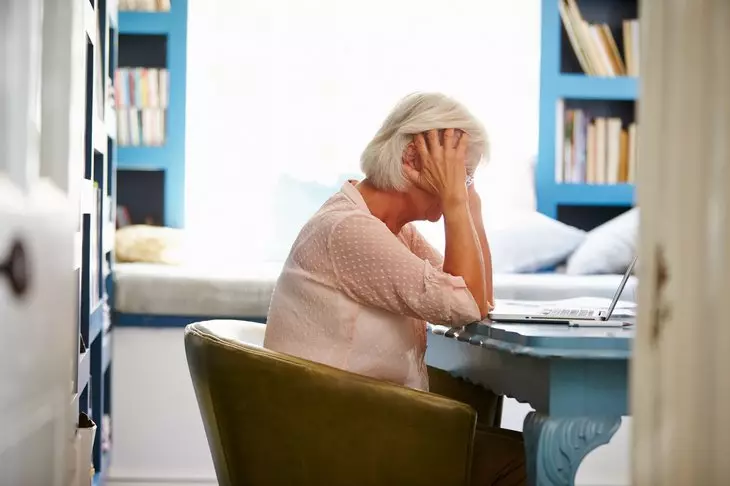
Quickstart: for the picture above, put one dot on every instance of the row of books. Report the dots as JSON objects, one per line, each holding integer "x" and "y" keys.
{"x": 145, "y": 5}
{"x": 595, "y": 150}
{"x": 141, "y": 87}
{"x": 595, "y": 46}
{"x": 137, "y": 127}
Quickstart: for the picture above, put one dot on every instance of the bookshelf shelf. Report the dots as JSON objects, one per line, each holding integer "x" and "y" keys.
{"x": 142, "y": 157}
{"x": 90, "y": 20}
{"x": 587, "y": 123}
{"x": 83, "y": 371}
{"x": 591, "y": 194}
{"x": 109, "y": 232}
{"x": 146, "y": 22}
{"x": 100, "y": 136}
{"x": 106, "y": 352}
{"x": 96, "y": 323}
{"x": 111, "y": 123}
{"x": 580, "y": 86}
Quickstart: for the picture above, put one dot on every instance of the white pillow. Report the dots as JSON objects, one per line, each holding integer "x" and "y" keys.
{"x": 609, "y": 248}
{"x": 528, "y": 241}
{"x": 520, "y": 241}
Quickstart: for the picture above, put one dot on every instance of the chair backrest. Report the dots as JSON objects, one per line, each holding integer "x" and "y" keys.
{"x": 271, "y": 418}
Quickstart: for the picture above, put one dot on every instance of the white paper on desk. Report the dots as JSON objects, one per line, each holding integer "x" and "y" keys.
{"x": 623, "y": 308}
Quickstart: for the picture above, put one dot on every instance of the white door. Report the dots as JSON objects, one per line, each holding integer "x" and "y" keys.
{"x": 680, "y": 382}
{"x": 38, "y": 330}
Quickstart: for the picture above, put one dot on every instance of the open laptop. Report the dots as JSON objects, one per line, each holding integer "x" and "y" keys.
{"x": 554, "y": 315}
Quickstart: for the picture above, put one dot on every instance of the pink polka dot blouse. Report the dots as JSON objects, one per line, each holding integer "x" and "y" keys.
{"x": 357, "y": 297}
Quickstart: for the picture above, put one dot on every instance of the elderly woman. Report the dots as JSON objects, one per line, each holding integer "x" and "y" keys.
{"x": 360, "y": 282}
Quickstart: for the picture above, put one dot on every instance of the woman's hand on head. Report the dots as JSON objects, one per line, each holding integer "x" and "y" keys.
{"x": 442, "y": 168}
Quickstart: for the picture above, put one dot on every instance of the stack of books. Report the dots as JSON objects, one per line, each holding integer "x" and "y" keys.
{"x": 595, "y": 150}
{"x": 595, "y": 46}
{"x": 142, "y": 97}
{"x": 145, "y": 5}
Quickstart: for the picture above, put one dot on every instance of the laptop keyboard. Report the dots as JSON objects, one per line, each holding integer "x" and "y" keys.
{"x": 570, "y": 313}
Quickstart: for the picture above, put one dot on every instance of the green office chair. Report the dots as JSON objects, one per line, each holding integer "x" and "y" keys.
{"x": 273, "y": 419}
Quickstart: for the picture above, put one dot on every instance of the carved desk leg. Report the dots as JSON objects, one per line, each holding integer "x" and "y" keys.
{"x": 555, "y": 447}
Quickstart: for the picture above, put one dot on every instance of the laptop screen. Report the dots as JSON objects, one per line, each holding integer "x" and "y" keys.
{"x": 621, "y": 286}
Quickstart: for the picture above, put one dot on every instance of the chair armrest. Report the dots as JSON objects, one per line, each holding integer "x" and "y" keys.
{"x": 313, "y": 424}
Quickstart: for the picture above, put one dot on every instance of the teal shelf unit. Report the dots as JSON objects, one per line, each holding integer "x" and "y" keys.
{"x": 579, "y": 86}
{"x": 95, "y": 239}
{"x": 169, "y": 157}
{"x": 562, "y": 80}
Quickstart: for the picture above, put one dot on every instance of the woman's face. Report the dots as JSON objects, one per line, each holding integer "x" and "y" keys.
{"x": 425, "y": 205}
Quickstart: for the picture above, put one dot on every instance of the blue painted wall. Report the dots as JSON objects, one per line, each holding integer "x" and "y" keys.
{"x": 171, "y": 156}
{"x": 554, "y": 86}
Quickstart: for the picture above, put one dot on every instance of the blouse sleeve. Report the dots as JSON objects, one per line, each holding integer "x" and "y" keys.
{"x": 376, "y": 269}
{"x": 420, "y": 246}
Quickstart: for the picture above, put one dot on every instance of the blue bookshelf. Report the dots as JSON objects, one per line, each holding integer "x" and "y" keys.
{"x": 148, "y": 158}
{"x": 149, "y": 22}
{"x": 589, "y": 194}
{"x": 564, "y": 85}
{"x": 169, "y": 157}
{"x": 97, "y": 225}
{"x": 579, "y": 86}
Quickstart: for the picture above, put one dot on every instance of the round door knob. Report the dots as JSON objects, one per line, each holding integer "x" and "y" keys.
{"x": 15, "y": 269}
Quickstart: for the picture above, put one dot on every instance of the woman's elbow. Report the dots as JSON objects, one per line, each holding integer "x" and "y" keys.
{"x": 466, "y": 315}
{"x": 479, "y": 295}
{"x": 484, "y": 309}
{"x": 459, "y": 309}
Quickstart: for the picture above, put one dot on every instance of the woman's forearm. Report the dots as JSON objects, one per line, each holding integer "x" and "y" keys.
{"x": 476, "y": 214}
{"x": 464, "y": 254}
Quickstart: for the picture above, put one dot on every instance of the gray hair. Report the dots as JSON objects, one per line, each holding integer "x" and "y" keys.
{"x": 382, "y": 159}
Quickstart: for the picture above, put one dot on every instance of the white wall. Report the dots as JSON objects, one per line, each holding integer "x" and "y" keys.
{"x": 157, "y": 430}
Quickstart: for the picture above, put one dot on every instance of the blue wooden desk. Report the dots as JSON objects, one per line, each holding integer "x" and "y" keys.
{"x": 575, "y": 378}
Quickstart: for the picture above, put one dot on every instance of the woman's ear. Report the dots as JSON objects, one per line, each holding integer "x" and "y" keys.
{"x": 411, "y": 162}
{"x": 410, "y": 156}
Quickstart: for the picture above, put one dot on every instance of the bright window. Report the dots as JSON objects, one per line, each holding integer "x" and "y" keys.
{"x": 283, "y": 95}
